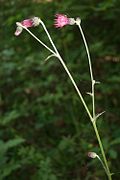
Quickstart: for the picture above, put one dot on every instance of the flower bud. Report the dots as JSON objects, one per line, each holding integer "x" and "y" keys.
{"x": 27, "y": 23}
{"x": 92, "y": 155}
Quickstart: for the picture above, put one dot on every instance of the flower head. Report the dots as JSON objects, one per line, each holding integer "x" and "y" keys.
{"x": 62, "y": 20}
{"x": 27, "y": 23}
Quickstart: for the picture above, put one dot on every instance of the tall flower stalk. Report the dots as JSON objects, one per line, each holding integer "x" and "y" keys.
{"x": 94, "y": 117}
{"x": 61, "y": 21}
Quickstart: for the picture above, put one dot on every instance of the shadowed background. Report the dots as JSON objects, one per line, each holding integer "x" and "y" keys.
{"x": 45, "y": 133}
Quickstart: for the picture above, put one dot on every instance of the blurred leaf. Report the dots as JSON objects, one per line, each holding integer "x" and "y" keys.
{"x": 113, "y": 154}
{"x": 9, "y": 117}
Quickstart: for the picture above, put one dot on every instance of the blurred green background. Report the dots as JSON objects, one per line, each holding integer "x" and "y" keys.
{"x": 45, "y": 133}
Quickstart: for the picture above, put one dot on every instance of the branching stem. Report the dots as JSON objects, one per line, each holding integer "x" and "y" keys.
{"x": 93, "y": 116}
{"x": 67, "y": 71}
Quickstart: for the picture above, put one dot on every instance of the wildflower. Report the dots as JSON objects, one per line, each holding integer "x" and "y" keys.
{"x": 27, "y": 23}
{"x": 92, "y": 155}
{"x": 62, "y": 20}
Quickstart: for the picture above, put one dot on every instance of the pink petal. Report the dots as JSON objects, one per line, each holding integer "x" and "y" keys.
{"x": 61, "y": 20}
{"x": 27, "y": 23}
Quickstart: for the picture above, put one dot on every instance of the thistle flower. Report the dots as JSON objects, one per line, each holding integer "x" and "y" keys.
{"x": 62, "y": 20}
{"x": 32, "y": 22}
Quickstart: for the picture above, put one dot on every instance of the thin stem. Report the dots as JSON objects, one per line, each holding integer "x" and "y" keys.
{"x": 102, "y": 150}
{"x": 102, "y": 164}
{"x": 93, "y": 104}
{"x": 51, "y": 41}
{"x": 74, "y": 84}
{"x": 37, "y": 39}
{"x": 87, "y": 50}
{"x": 67, "y": 71}
{"x": 90, "y": 66}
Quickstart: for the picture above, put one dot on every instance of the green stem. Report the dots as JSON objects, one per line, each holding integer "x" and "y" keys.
{"x": 67, "y": 71}
{"x": 102, "y": 164}
{"x": 93, "y": 103}
{"x": 90, "y": 66}
{"x": 102, "y": 150}
{"x": 35, "y": 37}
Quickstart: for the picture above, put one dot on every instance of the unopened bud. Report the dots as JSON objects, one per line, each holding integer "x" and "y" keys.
{"x": 92, "y": 155}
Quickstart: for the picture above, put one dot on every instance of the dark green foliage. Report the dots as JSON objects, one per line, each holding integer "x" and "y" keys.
{"x": 45, "y": 133}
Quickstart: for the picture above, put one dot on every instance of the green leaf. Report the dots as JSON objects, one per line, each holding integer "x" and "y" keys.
{"x": 4, "y": 146}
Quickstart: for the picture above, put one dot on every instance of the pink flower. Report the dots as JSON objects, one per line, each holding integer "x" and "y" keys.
{"x": 35, "y": 21}
{"x": 27, "y": 23}
{"x": 62, "y": 20}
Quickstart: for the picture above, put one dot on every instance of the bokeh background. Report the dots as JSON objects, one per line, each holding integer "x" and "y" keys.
{"x": 45, "y": 133}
